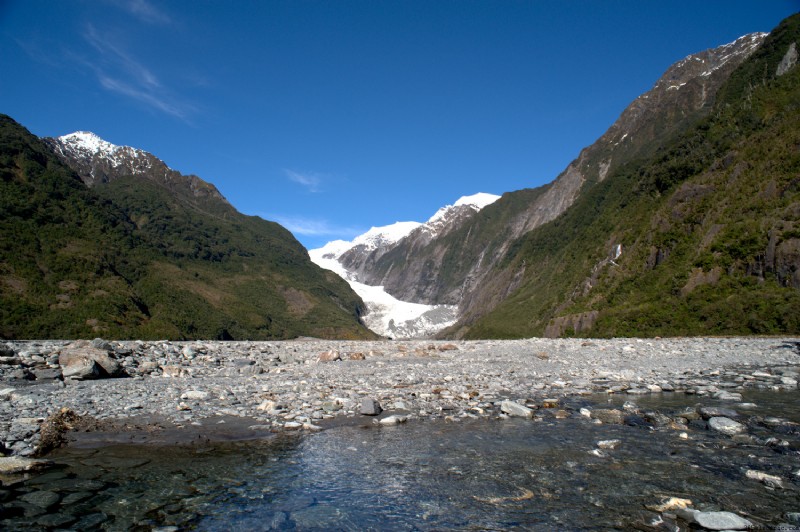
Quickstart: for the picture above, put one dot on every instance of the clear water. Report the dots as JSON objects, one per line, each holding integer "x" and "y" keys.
{"x": 471, "y": 475}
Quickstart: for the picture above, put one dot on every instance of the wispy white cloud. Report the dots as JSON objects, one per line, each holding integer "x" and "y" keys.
{"x": 305, "y": 226}
{"x": 147, "y": 97}
{"x": 145, "y": 11}
{"x": 119, "y": 71}
{"x": 120, "y": 59}
{"x": 309, "y": 180}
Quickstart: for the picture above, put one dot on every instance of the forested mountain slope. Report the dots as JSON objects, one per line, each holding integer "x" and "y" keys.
{"x": 456, "y": 265}
{"x": 700, "y": 237}
{"x": 133, "y": 257}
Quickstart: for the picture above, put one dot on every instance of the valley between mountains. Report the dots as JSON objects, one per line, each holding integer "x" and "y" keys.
{"x": 682, "y": 219}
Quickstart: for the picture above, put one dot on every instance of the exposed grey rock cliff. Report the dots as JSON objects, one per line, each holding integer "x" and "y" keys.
{"x": 458, "y": 265}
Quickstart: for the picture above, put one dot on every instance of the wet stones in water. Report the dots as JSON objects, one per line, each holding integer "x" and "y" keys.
{"x": 42, "y": 499}
{"x": 515, "y": 409}
{"x": 319, "y": 516}
{"x": 707, "y": 412}
{"x": 770, "y": 481}
{"x": 714, "y": 520}
{"x": 393, "y": 420}
{"x": 728, "y": 396}
{"x": 52, "y": 521}
{"x": 658, "y": 419}
{"x": 370, "y": 407}
{"x": 609, "y": 415}
{"x": 725, "y": 426}
{"x": 91, "y": 521}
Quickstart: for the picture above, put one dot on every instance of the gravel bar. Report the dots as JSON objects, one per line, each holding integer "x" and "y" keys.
{"x": 205, "y": 388}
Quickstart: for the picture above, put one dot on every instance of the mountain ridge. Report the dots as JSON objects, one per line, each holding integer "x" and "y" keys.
{"x": 706, "y": 223}
{"x": 453, "y": 267}
{"x": 118, "y": 244}
{"x": 98, "y": 161}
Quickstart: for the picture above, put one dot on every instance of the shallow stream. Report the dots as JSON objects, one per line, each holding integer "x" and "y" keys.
{"x": 507, "y": 474}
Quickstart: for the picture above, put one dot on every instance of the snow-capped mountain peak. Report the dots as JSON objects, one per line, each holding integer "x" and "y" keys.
{"x": 88, "y": 142}
{"x": 475, "y": 202}
{"x": 99, "y": 161}
{"x": 385, "y": 235}
{"x": 479, "y": 200}
{"x": 92, "y": 150}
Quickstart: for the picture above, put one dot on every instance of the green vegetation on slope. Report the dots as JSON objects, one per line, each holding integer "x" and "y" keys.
{"x": 709, "y": 228}
{"x": 130, "y": 259}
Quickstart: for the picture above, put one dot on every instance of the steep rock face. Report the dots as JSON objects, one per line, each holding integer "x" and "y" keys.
{"x": 98, "y": 161}
{"x": 696, "y": 233}
{"x": 449, "y": 266}
{"x": 683, "y": 94}
{"x": 396, "y": 265}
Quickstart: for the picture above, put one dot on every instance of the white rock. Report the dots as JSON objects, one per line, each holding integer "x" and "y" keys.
{"x": 770, "y": 480}
{"x": 715, "y": 520}
{"x": 726, "y": 425}
{"x": 195, "y": 395}
{"x": 266, "y": 406}
{"x": 393, "y": 420}
{"x": 16, "y": 464}
{"x": 515, "y": 409}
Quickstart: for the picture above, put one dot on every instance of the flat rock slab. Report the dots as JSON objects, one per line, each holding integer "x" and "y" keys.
{"x": 10, "y": 465}
{"x": 715, "y": 520}
{"x": 515, "y": 409}
{"x": 726, "y": 425}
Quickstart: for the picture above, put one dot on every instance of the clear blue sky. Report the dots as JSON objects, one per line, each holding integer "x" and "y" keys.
{"x": 333, "y": 116}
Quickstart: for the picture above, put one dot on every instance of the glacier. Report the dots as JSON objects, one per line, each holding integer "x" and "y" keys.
{"x": 387, "y": 315}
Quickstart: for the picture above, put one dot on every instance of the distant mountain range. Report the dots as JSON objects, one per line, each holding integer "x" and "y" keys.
{"x": 681, "y": 219}
{"x": 105, "y": 240}
{"x": 385, "y": 314}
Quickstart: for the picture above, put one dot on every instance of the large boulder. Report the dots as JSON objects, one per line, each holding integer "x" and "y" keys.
{"x": 82, "y": 360}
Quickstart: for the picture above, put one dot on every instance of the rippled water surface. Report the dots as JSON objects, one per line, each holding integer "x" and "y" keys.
{"x": 469, "y": 475}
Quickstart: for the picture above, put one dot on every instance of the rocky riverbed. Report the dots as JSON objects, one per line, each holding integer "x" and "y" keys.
{"x": 658, "y": 434}
{"x": 188, "y": 390}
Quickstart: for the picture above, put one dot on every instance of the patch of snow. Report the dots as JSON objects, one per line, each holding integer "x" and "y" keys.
{"x": 480, "y": 200}
{"x": 385, "y": 235}
{"x": 387, "y": 315}
{"x": 476, "y": 201}
{"x": 88, "y": 142}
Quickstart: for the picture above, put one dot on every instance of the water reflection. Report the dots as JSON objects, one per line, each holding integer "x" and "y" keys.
{"x": 470, "y": 475}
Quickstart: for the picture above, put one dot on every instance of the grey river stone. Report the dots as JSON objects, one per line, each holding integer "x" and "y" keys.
{"x": 515, "y": 409}
{"x": 715, "y": 520}
{"x": 726, "y": 425}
